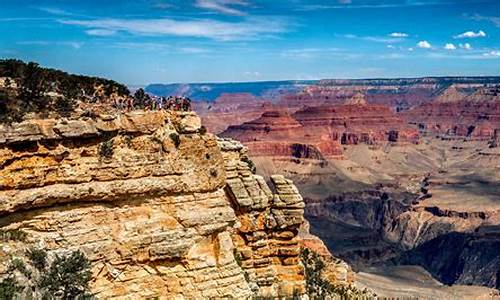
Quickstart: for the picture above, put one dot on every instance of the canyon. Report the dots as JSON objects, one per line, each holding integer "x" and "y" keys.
{"x": 394, "y": 173}
{"x": 398, "y": 179}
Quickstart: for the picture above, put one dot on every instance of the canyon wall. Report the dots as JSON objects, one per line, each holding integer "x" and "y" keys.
{"x": 159, "y": 207}
{"x": 456, "y": 115}
{"x": 319, "y": 132}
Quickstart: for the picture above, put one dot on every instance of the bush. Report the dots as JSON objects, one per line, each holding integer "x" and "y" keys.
{"x": 66, "y": 277}
{"x": 106, "y": 149}
{"x": 203, "y": 130}
{"x": 65, "y": 105}
{"x": 9, "y": 288}
{"x": 250, "y": 164}
{"x": 175, "y": 139}
{"x": 12, "y": 235}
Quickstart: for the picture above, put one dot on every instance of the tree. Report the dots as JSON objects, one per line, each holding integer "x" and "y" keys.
{"x": 142, "y": 99}
{"x": 33, "y": 277}
{"x": 32, "y": 87}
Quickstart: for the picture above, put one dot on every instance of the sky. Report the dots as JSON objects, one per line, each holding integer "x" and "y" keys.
{"x": 170, "y": 41}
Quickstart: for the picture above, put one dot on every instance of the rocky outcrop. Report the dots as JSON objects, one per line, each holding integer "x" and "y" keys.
{"x": 266, "y": 238}
{"x": 155, "y": 205}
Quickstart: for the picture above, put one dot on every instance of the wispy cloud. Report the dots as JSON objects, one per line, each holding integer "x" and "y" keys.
{"x": 349, "y": 5}
{"x": 193, "y": 50}
{"x": 248, "y": 29}
{"x": 55, "y": 11}
{"x": 494, "y": 53}
{"x": 424, "y": 45}
{"x": 377, "y": 39}
{"x": 398, "y": 34}
{"x": 72, "y": 44}
{"x": 159, "y": 48}
{"x": 480, "y": 55}
{"x": 470, "y": 34}
{"x": 494, "y": 20}
{"x": 223, "y": 6}
{"x": 100, "y": 32}
{"x": 310, "y": 53}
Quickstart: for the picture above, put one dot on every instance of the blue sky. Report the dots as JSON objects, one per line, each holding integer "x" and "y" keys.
{"x": 145, "y": 41}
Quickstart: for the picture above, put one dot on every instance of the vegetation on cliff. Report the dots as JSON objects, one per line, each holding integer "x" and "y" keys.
{"x": 36, "y": 276}
{"x": 318, "y": 287}
{"x": 28, "y": 87}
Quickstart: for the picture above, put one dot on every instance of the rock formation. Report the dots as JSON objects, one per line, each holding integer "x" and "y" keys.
{"x": 318, "y": 132}
{"x": 455, "y": 115}
{"x": 266, "y": 238}
{"x": 160, "y": 208}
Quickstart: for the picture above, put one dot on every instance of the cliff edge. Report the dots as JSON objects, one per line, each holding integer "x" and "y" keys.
{"x": 159, "y": 207}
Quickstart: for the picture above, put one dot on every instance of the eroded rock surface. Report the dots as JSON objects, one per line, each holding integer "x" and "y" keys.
{"x": 153, "y": 202}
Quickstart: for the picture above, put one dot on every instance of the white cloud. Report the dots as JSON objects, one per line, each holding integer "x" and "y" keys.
{"x": 494, "y": 53}
{"x": 450, "y": 46}
{"x": 248, "y": 29}
{"x": 424, "y": 44}
{"x": 222, "y": 6}
{"x": 465, "y": 46}
{"x": 55, "y": 11}
{"x": 470, "y": 34}
{"x": 378, "y": 39}
{"x": 398, "y": 34}
{"x": 72, "y": 44}
{"x": 193, "y": 50}
{"x": 100, "y": 32}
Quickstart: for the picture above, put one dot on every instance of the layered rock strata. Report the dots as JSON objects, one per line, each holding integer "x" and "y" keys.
{"x": 144, "y": 196}
{"x": 266, "y": 239}
{"x": 457, "y": 116}
{"x": 319, "y": 132}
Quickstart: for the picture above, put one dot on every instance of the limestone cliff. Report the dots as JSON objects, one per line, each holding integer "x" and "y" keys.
{"x": 160, "y": 208}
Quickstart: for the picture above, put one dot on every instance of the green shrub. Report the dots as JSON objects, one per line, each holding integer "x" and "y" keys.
{"x": 9, "y": 287}
{"x": 68, "y": 274}
{"x": 106, "y": 149}
{"x": 203, "y": 130}
{"x": 64, "y": 106}
{"x": 12, "y": 235}
{"x": 250, "y": 164}
{"x": 66, "y": 277}
{"x": 175, "y": 139}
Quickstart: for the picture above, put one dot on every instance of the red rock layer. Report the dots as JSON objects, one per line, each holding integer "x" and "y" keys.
{"x": 357, "y": 123}
{"x": 318, "y": 132}
{"x": 476, "y": 116}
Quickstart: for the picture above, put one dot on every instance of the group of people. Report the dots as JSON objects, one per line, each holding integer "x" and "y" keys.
{"x": 177, "y": 103}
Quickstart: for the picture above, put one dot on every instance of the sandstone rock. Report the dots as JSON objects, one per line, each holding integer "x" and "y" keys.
{"x": 155, "y": 219}
{"x": 267, "y": 239}
{"x": 189, "y": 123}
